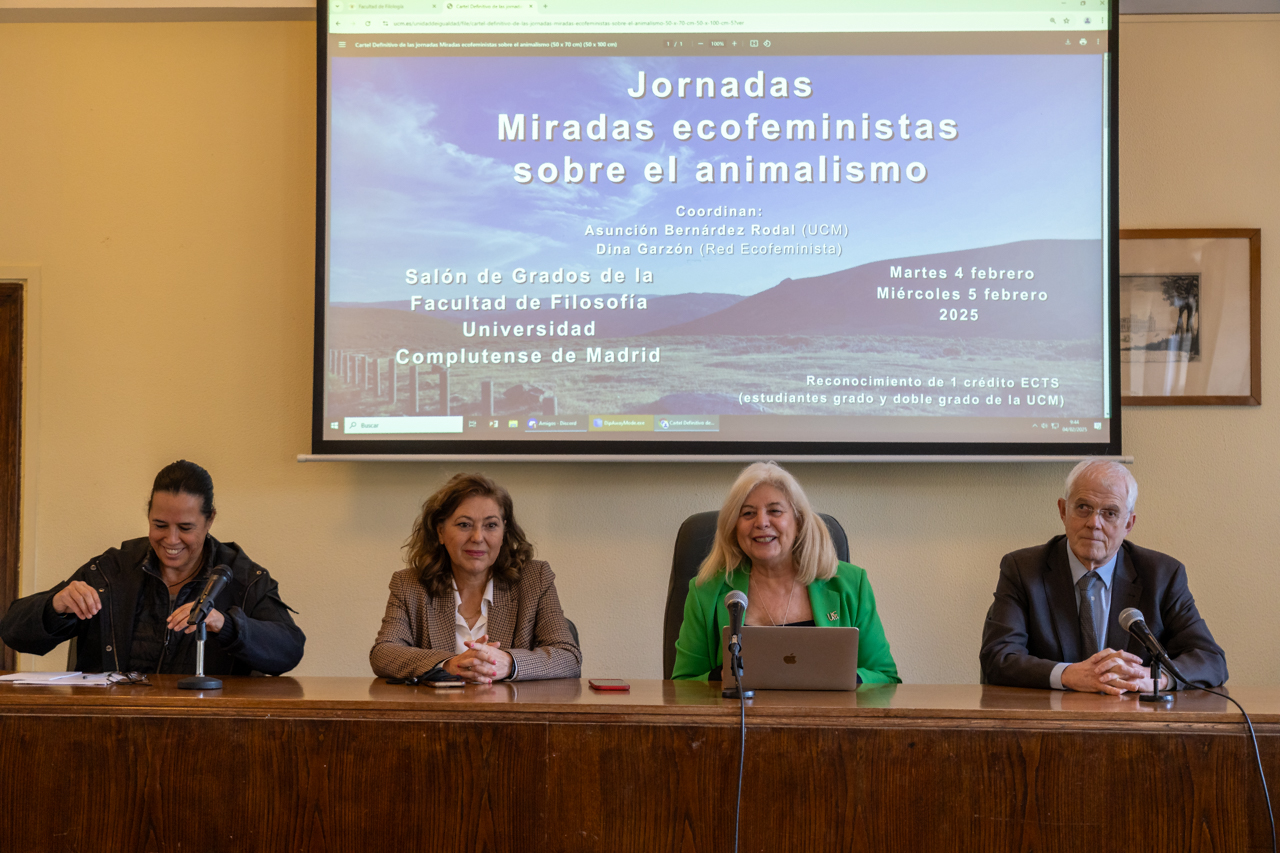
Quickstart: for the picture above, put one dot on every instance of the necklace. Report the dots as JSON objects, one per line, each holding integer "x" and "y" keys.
{"x": 786, "y": 610}
{"x": 180, "y": 582}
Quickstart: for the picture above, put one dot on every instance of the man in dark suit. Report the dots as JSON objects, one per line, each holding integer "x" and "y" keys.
{"x": 1055, "y": 619}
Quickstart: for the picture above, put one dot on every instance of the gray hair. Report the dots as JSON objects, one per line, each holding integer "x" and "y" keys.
{"x": 1113, "y": 468}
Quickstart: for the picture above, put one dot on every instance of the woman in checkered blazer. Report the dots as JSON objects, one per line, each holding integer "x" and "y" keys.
{"x": 472, "y": 601}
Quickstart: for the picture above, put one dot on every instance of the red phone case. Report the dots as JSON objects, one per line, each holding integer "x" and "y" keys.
{"x": 600, "y": 685}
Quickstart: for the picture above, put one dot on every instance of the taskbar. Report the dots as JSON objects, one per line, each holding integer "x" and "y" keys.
{"x": 748, "y": 428}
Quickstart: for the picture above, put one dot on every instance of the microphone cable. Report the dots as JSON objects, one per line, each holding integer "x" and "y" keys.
{"x": 742, "y": 755}
{"x": 1257, "y": 753}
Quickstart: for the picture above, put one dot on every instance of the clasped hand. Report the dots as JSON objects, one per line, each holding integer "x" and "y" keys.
{"x": 483, "y": 662}
{"x": 81, "y": 599}
{"x": 1110, "y": 671}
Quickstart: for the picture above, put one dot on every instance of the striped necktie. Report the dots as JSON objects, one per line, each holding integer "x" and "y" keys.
{"x": 1091, "y": 627}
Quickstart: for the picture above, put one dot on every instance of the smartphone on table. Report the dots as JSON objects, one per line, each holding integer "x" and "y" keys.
{"x": 608, "y": 684}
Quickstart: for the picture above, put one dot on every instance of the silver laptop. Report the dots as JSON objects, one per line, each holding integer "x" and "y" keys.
{"x": 795, "y": 658}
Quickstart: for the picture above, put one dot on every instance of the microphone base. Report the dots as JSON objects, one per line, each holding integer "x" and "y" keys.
{"x": 1165, "y": 698}
{"x": 732, "y": 693}
{"x": 200, "y": 682}
{"x": 1155, "y": 695}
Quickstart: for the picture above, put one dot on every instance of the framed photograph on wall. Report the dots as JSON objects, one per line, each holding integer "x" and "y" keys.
{"x": 1190, "y": 325}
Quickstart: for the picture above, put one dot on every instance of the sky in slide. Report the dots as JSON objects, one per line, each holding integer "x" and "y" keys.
{"x": 420, "y": 178}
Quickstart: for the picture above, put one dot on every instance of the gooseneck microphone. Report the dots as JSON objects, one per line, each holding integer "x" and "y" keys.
{"x": 1131, "y": 620}
{"x": 217, "y": 580}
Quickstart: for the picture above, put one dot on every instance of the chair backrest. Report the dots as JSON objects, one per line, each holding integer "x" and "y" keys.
{"x": 693, "y": 544}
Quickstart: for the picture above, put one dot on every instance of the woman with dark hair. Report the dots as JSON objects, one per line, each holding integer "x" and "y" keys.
{"x": 473, "y": 602}
{"x": 128, "y": 607}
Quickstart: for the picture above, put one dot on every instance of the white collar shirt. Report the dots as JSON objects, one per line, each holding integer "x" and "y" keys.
{"x": 463, "y": 633}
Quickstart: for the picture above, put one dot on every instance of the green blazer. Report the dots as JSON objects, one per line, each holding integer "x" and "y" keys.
{"x": 844, "y": 600}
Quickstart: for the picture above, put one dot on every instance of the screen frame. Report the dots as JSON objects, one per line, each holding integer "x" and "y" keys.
{"x": 517, "y": 449}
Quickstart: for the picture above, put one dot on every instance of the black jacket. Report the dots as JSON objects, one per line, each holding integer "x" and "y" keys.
{"x": 1034, "y": 622}
{"x": 258, "y": 635}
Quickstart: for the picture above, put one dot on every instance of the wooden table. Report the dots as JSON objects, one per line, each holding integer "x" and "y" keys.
{"x": 351, "y": 764}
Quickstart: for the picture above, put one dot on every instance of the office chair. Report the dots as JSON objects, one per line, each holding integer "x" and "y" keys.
{"x": 693, "y": 543}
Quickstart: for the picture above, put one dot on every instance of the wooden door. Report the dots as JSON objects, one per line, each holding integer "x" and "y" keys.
{"x": 10, "y": 448}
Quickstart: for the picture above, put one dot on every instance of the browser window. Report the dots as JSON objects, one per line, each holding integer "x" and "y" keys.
{"x": 814, "y": 228}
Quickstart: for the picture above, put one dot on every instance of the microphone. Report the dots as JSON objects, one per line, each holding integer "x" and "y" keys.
{"x": 217, "y": 580}
{"x": 1131, "y": 620}
{"x": 736, "y": 602}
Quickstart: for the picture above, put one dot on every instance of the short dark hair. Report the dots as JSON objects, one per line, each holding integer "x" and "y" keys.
{"x": 185, "y": 478}
{"x": 427, "y": 554}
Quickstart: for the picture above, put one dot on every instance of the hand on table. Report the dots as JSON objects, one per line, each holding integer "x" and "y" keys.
{"x": 79, "y": 598}
{"x": 178, "y": 619}
{"x": 483, "y": 662}
{"x": 1109, "y": 671}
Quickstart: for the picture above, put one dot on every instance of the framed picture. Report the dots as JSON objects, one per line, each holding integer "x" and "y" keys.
{"x": 1190, "y": 325}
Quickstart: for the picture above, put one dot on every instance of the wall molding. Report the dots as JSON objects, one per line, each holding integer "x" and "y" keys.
{"x": 156, "y": 11}
{"x": 1199, "y": 7}
{"x": 159, "y": 11}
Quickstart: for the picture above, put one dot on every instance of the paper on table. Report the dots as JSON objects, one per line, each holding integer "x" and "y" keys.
{"x": 59, "y": 679}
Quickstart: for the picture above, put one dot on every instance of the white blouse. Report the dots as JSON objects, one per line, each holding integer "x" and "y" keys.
{"x": 461, "y": 632}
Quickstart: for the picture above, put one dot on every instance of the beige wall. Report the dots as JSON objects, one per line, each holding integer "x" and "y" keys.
{"x": 159, "y": 180}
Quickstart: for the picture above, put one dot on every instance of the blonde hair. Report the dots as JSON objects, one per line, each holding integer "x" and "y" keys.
{"x": 813, "y": 553}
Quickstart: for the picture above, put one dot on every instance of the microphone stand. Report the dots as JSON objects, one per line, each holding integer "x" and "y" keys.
{"x": 200, "y": 681}
{"x": 1155, "y": 695}
{"x": 735, "y": 669}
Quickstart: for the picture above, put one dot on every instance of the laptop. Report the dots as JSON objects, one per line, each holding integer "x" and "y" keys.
{"x": 795, "y": 658}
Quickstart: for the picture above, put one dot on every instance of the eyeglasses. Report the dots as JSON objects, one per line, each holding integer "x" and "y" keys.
{"x": 127, "y": 678}
{"x": 1086, "y": 511}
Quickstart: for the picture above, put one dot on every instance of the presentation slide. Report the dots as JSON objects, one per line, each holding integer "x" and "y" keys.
{"x": 551, "y": 232}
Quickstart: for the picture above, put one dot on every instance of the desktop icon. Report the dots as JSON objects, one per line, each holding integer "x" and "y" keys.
{"x": 597, "y": 422}
{"x": 512, "y": 424}
{"x": 533, "y": 423}
{"x": 664, "y": 423}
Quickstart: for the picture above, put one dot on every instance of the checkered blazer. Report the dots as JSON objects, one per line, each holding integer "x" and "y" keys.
{"x": 417, "y": 630}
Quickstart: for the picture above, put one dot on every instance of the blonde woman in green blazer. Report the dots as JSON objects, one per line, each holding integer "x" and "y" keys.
{"x": 783, "y": 559}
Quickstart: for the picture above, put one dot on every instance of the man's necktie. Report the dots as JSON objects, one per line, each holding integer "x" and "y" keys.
{"x": 1091, "y": 627}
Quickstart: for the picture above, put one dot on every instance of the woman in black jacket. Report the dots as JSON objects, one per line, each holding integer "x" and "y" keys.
{"x": 128, "y": 607}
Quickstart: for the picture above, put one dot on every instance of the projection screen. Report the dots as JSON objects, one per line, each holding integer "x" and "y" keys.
{"x": 802, "y": 229}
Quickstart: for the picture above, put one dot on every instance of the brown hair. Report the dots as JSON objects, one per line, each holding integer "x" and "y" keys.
{"x": 426, "y": 553}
